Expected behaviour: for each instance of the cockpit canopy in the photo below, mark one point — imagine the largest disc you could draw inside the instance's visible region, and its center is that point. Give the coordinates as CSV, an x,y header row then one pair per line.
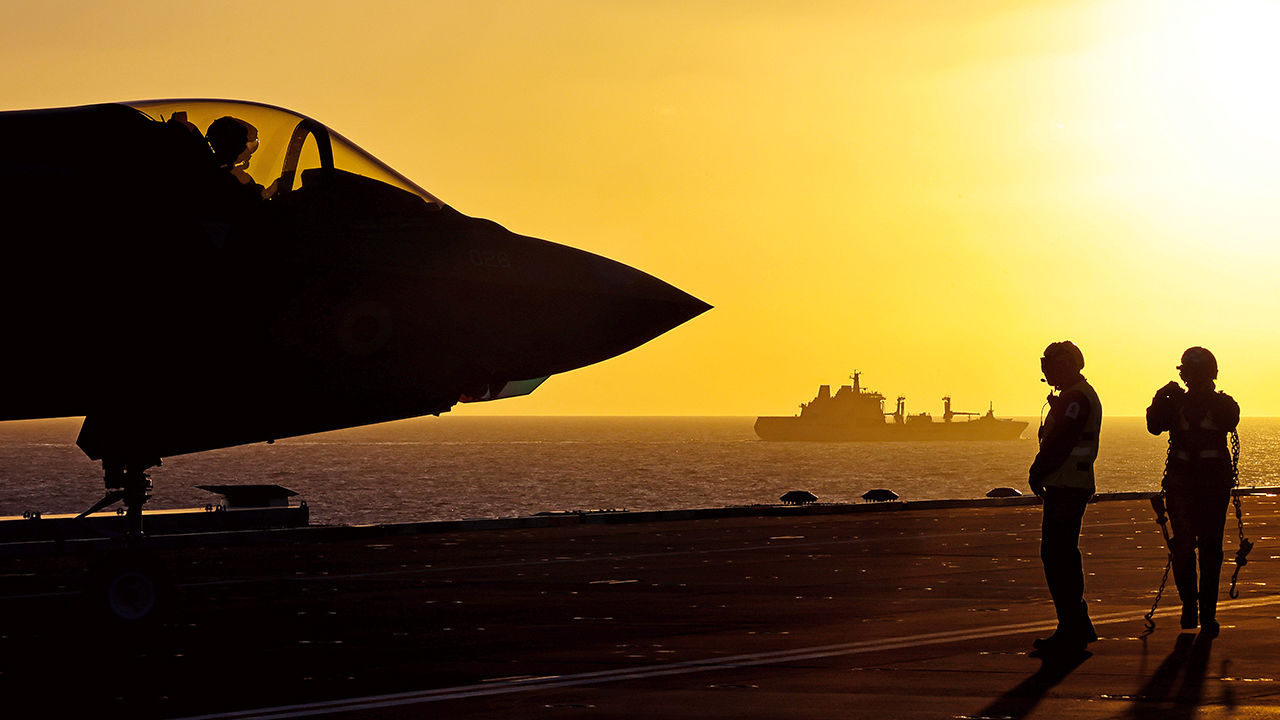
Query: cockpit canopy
x,y
288,142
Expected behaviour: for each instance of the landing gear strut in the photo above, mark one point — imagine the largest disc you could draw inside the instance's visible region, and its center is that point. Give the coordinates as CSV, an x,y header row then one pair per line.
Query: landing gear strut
x,y
128,482
127,586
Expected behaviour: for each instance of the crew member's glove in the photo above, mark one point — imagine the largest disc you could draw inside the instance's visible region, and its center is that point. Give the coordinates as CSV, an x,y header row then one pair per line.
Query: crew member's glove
x,y
1037,486
1169,391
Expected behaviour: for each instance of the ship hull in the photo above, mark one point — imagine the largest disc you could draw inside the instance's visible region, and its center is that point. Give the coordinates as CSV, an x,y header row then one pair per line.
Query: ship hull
x,y
799,428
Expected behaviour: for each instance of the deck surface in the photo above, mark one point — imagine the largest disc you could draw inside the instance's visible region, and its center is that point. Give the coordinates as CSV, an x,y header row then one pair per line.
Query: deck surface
x,y
904,614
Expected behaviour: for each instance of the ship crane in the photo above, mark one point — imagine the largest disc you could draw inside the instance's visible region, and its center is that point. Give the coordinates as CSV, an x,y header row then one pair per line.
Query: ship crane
x,y
947,414
900,412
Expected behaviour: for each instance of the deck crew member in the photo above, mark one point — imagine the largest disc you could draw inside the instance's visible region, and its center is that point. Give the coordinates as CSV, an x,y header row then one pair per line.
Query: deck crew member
x,y
1198,479
1062,474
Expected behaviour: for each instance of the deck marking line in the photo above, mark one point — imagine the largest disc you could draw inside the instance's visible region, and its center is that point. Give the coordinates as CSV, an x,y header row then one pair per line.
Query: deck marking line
x,y
679,668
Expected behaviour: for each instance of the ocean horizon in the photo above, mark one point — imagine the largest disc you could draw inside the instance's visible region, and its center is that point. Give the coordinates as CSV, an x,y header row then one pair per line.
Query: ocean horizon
x,y
459,467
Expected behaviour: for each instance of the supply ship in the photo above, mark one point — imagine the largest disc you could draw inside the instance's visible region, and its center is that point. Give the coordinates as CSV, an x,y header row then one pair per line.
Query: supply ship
x,y
855,413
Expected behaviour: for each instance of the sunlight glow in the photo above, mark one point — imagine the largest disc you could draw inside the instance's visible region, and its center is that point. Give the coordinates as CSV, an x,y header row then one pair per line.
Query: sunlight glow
x,y
928,191
1194,85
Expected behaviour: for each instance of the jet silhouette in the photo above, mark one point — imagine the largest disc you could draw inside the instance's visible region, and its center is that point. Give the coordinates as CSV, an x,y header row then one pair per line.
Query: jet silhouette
x,y
179,306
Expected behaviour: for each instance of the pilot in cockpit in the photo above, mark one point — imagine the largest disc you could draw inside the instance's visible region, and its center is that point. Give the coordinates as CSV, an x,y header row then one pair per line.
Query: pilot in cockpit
x,y
233,142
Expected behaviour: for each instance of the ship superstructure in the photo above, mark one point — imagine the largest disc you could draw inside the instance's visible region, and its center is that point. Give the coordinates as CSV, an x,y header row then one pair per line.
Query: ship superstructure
x,y
856,413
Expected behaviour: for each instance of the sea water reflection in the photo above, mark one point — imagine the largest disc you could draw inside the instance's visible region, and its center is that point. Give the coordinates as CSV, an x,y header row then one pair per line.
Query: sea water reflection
x,y
460,467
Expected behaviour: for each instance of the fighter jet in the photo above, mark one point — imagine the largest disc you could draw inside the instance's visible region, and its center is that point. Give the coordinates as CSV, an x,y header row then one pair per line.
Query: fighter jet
x,y
198,274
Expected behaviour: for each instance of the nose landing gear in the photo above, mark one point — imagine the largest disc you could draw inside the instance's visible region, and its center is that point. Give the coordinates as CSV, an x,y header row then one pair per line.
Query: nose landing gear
x,y
127,482
126,587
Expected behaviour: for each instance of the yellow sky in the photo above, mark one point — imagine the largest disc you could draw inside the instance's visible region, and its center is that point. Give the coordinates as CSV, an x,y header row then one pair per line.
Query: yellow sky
x,y
926,191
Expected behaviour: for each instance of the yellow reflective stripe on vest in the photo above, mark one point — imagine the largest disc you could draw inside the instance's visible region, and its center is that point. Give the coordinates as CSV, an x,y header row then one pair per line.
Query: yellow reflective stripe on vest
x,y
1077,471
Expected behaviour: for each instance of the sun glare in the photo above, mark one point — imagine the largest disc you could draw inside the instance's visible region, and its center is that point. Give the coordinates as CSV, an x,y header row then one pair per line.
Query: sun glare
x,y
1194,84
1184,126
1232,59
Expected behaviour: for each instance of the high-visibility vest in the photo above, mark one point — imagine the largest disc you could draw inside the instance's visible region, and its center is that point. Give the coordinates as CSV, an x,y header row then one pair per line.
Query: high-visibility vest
x,y
1077,471
1204,442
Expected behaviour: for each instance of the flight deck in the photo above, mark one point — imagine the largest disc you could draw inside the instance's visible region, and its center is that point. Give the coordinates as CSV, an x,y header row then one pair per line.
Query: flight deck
x,y
888,612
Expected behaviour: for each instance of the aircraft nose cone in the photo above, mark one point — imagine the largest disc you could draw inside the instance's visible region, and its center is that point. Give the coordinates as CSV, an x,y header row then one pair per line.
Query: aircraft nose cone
x,y
589,308
621,308
549,308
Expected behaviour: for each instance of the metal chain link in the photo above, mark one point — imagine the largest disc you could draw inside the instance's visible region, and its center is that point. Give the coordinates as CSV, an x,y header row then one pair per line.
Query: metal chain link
x,y
1242,554
1149,618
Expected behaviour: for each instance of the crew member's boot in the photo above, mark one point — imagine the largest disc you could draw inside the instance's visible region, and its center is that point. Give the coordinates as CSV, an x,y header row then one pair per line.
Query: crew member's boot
x,y
1184,576
1189,619
1209,576
1073,634
1087,633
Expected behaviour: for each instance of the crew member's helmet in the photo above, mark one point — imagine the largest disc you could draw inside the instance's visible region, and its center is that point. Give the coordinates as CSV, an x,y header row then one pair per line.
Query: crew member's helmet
x,y
1065,352
1199,363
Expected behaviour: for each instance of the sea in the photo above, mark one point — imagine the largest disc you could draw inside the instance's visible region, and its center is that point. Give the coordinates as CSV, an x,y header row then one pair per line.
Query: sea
x,y
450,468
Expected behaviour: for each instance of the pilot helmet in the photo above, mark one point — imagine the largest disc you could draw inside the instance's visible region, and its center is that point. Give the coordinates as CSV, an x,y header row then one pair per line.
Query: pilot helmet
x,y
230,137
